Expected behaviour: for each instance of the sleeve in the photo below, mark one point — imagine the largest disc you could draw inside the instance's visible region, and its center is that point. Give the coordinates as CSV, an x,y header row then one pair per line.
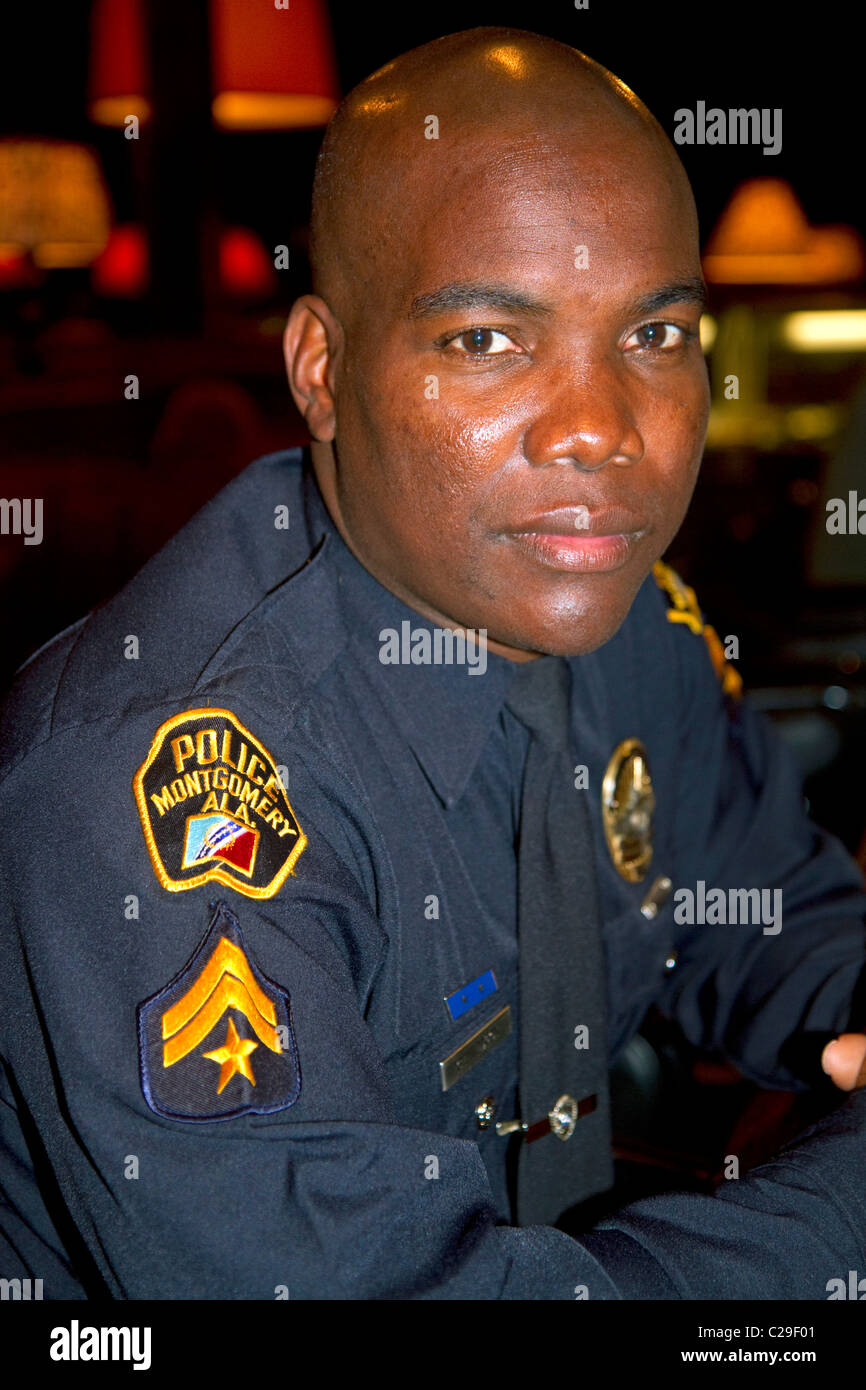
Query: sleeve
x,y
769,992
315,1190
183,1178
790,1229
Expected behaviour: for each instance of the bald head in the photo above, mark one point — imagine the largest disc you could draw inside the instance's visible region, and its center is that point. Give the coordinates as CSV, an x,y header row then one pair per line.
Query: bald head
x,y
497,95
502,338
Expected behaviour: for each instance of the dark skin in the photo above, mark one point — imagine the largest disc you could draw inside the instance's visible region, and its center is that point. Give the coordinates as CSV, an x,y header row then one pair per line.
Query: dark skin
x,y
580,390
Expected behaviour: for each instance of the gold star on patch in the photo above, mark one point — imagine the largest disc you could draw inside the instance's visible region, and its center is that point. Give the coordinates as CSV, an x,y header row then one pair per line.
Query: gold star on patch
x,y
232,1056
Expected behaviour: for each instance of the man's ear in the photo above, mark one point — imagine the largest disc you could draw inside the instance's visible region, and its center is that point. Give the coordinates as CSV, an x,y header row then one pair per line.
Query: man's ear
x,y
311,342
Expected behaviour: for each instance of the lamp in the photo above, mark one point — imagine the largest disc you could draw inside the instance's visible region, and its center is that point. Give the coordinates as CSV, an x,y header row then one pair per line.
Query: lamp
x,y
123,269
763,237
119,77
53,203
245,269
272,68
17,271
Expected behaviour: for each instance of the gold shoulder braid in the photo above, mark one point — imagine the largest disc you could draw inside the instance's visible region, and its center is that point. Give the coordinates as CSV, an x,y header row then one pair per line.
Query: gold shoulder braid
x,y
686,610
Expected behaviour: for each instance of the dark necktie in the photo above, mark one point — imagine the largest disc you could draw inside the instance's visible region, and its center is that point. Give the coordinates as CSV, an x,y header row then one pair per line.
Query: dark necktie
x,y
565,1155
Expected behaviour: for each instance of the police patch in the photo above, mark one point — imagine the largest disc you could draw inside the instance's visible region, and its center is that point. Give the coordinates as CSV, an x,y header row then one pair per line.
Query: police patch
x,y
213,806
218,1041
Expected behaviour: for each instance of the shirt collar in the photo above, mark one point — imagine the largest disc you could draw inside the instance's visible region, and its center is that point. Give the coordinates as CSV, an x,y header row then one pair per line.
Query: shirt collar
x,y
446,713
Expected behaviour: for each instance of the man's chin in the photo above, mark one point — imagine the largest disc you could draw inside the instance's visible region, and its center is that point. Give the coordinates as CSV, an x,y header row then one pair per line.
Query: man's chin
x,y
557,640
562,633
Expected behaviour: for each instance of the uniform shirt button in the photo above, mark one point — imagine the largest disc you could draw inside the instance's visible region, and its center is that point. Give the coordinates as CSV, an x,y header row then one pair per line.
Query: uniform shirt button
x,y
484,1112
670,960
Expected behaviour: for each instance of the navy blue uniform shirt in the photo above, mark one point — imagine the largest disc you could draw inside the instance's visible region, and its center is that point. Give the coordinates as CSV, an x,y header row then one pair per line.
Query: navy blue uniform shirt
x,y
244,863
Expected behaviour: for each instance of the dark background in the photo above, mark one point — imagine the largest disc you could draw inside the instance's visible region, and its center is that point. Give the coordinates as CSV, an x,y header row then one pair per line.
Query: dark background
x,y
799,57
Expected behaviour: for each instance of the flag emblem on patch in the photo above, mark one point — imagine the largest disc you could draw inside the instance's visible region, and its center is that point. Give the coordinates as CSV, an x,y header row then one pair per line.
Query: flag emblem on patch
x,y
218,1041
213,807
220,837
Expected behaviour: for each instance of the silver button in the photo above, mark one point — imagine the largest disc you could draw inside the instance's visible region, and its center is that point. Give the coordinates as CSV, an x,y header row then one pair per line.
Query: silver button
x,y
484,1112
671,961
563,1117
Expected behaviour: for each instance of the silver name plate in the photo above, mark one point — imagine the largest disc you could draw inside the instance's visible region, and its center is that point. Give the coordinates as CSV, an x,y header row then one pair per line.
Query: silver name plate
x,y
490,1035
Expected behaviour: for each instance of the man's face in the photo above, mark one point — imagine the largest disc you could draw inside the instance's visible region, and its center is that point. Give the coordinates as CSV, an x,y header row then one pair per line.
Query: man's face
x,y
519,422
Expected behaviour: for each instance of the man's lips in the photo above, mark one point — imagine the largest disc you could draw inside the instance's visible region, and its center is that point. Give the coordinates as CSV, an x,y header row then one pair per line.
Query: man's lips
x,y
579,538
578,519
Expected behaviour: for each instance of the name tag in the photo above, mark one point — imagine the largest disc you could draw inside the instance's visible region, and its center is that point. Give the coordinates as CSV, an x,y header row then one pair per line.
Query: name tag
x,y
470,1053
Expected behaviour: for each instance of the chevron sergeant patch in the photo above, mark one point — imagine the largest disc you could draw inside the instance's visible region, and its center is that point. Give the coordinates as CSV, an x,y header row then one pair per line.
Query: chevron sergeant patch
x,y
213,807
218,1040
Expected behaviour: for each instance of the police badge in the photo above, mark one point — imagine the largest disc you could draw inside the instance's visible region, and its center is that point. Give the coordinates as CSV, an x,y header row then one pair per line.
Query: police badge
x,y
627,805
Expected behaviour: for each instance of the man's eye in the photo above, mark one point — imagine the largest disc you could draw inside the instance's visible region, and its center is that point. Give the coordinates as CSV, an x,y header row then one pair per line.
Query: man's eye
x,y
480,342
660,335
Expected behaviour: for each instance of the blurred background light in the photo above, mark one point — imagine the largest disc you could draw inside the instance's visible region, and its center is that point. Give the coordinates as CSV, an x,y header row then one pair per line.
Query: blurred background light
x,y
763,237
54,207
832,330
118,77
123,270
271,68
708,330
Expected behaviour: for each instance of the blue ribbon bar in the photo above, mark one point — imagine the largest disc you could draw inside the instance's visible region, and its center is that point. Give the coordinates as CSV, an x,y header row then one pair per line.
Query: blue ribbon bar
x,y
462,1000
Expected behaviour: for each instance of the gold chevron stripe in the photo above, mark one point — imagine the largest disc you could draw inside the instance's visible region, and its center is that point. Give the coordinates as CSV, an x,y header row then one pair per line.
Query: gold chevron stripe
x,y
229,994
226,982
226,958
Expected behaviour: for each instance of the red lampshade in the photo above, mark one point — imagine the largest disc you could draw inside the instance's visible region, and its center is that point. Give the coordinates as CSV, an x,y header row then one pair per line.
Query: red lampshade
x,y
123,269
271,69
119,80
245,268
17,271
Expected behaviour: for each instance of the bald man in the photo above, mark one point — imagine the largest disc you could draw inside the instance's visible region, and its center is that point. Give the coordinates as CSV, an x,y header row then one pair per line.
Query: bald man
x,y
346,849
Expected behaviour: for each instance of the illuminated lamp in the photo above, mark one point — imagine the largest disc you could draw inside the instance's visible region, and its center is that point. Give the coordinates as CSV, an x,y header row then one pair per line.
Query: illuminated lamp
x,y
123,269
17,271
272,67
245,269
828,330
763,237
53,204
118,79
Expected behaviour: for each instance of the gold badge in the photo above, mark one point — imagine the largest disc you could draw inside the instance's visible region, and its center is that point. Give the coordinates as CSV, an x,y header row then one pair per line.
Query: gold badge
x,y
213,807
627,805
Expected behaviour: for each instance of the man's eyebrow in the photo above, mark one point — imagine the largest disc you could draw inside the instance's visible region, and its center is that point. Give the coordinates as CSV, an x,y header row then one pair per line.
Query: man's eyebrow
x,y
691,291
465,296
457,296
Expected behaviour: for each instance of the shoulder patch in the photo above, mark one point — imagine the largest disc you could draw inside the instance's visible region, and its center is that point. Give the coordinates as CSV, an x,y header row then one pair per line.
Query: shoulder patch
x,y
213,807
218,1041
685,609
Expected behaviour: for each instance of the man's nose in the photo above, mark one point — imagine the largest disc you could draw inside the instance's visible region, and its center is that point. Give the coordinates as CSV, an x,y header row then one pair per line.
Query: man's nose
x,y
586,419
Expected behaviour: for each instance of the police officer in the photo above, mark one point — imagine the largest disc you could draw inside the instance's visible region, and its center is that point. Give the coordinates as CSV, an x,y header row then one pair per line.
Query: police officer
x,y
346,848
